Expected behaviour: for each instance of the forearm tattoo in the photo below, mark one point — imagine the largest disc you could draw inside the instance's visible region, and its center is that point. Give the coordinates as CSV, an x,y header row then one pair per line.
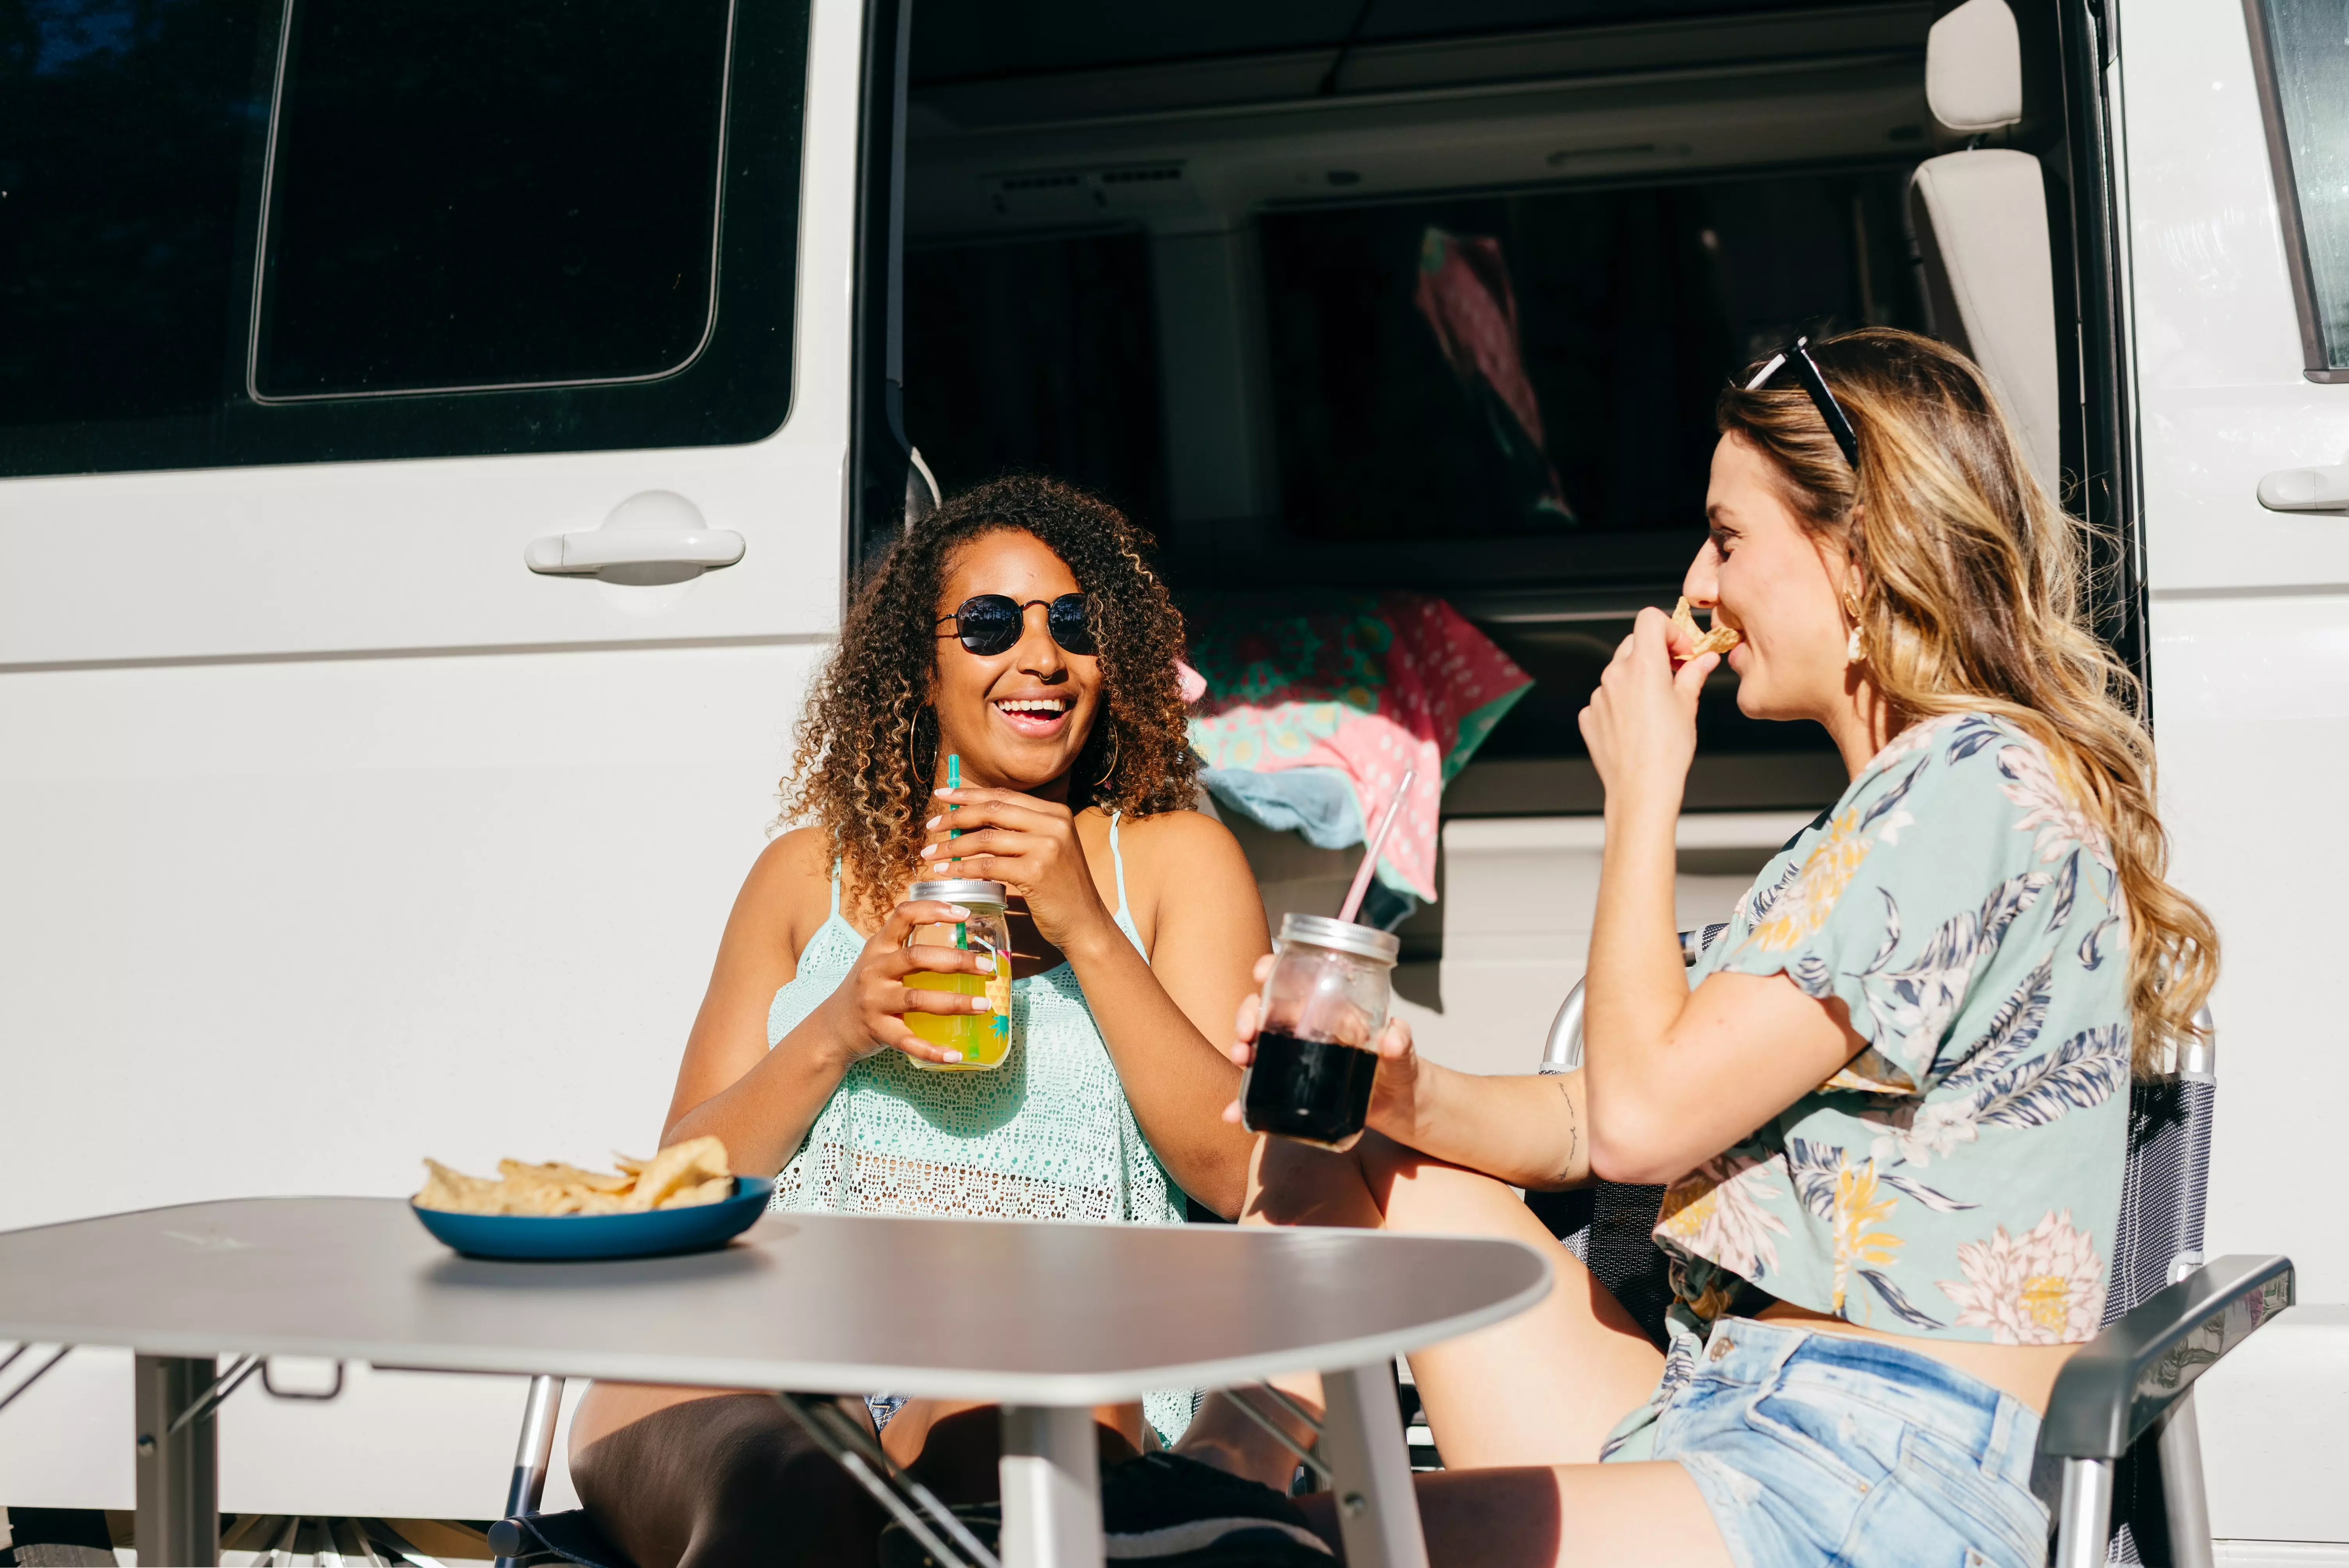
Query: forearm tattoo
x,y
1573,1131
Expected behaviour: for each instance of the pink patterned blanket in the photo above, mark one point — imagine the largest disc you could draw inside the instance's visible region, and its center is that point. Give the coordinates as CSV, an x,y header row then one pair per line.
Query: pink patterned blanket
x,y
1371,685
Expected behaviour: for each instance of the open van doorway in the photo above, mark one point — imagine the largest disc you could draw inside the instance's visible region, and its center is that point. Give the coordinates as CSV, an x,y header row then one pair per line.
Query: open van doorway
x,y
1352,301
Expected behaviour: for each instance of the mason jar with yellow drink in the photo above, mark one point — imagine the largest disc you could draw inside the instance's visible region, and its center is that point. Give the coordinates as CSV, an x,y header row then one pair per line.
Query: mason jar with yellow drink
x,y
983,1039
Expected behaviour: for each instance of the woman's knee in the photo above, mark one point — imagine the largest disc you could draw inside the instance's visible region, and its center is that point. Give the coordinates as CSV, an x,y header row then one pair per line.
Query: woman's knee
x,y
719,1479
1417,1192
606,1408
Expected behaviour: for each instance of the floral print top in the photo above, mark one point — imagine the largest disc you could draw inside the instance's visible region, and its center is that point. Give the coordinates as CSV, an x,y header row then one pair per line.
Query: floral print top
x,y
1961,1176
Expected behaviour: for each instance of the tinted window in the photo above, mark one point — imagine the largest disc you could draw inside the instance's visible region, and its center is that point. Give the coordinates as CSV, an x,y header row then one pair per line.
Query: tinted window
x,y
465,195
1544,364
462,197
2305,90
1036,355
959,42
123,132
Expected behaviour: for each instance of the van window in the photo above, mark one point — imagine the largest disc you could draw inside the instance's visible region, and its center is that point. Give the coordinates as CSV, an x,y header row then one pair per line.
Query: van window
x,y
1546,364
240,232
2303,65
497,209
1037,355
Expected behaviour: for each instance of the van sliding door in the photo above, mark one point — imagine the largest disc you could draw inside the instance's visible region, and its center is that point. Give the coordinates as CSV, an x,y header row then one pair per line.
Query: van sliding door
x,y
423,440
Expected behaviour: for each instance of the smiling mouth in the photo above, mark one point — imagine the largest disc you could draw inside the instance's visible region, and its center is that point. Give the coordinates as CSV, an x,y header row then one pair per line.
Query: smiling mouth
x,y
1036,716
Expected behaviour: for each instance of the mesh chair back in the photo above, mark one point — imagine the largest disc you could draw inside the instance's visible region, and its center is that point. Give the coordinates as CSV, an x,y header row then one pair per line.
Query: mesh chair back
x,y
2163,1194
1608,1227
2166,1187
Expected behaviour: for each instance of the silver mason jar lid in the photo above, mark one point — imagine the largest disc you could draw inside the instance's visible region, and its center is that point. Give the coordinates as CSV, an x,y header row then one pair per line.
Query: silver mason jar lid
x,y
1343,935
969,891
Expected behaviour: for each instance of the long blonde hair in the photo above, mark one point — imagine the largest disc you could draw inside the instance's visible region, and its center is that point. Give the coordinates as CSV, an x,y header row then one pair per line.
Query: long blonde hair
x,y
1972,579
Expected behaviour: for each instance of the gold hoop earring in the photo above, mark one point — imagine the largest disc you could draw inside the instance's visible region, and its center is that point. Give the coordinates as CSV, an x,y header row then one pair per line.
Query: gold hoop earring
x,y
913,738
1112,766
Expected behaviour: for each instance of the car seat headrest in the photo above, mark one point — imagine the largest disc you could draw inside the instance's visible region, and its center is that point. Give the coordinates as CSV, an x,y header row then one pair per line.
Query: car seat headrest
x,y
1973,67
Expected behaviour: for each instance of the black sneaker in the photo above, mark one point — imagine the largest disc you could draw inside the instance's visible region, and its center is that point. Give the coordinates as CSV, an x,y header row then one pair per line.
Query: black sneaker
x,y
1176,1512
1170,1513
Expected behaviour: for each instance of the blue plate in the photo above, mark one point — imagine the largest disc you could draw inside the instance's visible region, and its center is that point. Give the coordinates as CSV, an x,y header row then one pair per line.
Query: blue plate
x,y
658,1232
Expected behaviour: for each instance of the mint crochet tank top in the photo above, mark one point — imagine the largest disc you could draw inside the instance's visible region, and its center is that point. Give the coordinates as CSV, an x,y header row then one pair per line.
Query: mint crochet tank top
x,y
1049,1135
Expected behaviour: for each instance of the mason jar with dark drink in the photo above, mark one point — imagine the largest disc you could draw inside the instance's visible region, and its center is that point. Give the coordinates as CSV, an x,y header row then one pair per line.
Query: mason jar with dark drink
x,y
1317,1041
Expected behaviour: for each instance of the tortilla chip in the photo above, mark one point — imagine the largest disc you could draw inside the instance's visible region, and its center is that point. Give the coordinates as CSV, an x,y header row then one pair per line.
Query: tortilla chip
x,y
681,1176
677,1168
454,1192
1719,640
557,1173
717,1190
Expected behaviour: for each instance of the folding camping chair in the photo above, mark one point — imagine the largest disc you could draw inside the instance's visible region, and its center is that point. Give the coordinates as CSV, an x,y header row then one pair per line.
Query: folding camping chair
x,y
2170,1316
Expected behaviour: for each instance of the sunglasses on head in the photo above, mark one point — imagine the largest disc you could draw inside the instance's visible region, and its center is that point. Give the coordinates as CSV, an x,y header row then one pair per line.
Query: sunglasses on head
x,y
990,624
1797,358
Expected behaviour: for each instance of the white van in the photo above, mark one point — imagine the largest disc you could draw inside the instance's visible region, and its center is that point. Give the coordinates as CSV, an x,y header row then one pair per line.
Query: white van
x,y
436,441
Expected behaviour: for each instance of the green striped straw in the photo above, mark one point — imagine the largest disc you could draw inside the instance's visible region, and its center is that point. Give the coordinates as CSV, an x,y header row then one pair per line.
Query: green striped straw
x,y
954,781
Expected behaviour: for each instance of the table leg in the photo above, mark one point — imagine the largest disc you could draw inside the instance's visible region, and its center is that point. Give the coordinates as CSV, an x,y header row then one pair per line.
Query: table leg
x,y
1361,1437
179,1472
1051,1489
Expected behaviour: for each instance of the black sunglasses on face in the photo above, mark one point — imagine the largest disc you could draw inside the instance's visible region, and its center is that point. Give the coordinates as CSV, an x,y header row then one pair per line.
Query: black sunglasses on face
x,y
990,624
1798,357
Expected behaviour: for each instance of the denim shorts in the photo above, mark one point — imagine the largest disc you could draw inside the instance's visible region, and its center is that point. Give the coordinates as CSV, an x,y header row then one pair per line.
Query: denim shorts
x,y
1820,1448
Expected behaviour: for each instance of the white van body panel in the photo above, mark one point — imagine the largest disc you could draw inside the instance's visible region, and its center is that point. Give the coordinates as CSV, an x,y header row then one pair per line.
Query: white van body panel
x,y
2250,631
332,558
335,838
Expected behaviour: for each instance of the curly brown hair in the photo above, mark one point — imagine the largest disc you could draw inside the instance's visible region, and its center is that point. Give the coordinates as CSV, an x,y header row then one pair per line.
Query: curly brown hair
x,y
867,744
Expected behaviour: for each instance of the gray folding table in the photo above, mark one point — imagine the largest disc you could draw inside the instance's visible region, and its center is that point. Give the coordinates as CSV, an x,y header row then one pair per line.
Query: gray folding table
x,y
1047,1320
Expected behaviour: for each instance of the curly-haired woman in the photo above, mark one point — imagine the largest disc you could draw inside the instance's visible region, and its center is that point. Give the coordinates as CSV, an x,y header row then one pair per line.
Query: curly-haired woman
x,y
1020,629
1892,1099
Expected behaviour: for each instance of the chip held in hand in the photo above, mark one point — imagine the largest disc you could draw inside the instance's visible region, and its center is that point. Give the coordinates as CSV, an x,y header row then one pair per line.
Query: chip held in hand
x,y
1719,640
682,1176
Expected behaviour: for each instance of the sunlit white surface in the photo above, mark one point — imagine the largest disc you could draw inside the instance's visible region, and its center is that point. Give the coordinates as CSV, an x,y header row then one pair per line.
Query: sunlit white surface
x,y
301,924
284,914
2220,393
2250,677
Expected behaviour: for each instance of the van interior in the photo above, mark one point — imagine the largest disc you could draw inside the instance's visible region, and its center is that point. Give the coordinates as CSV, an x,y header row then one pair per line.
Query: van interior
x,y
1191,259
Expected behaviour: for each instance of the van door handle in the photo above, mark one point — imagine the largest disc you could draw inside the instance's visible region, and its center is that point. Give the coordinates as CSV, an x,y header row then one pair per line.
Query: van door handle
x,y
656,536
2307,489
587,553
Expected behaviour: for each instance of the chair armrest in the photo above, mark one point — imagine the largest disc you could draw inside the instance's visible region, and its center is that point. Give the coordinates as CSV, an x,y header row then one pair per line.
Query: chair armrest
x,y
1562,1049
2126,1379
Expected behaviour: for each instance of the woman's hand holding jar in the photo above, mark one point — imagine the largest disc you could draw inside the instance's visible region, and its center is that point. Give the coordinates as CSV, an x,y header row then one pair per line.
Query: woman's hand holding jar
x,y
866,1012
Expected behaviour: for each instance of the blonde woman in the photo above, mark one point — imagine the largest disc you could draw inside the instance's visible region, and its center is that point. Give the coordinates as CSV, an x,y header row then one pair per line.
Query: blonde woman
x,y
1890,1100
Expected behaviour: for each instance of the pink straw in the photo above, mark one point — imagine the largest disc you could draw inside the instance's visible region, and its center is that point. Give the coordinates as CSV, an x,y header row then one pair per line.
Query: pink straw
x,y
1371,855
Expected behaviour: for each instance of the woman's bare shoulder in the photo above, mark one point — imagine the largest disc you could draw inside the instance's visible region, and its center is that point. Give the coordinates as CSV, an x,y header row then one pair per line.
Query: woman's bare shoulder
x,y
1189,845
1178,833
788,893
